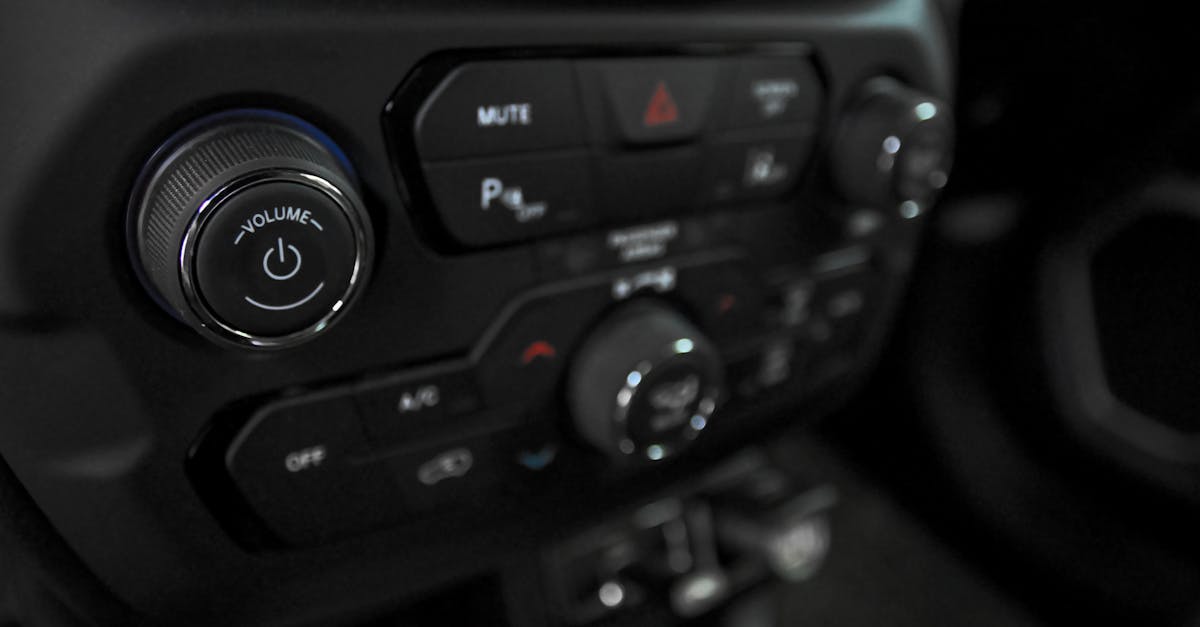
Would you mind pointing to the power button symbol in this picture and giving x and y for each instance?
(279, 257)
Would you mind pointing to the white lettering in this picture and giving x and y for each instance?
(304, 459)
(492, 188)
(514, 114)
(276, 214)
(643, 242)
(511, 198)
(773, 95)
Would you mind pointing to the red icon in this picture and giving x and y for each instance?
(725, 303)
(661, 109)
(539, 349)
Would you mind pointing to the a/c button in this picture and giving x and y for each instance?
(493, 201)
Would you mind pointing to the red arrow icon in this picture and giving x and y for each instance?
(661, 109)
(540, 348)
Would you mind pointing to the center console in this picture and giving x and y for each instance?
(688, 264)
(432, 307)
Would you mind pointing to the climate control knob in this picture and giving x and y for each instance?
(248, 227)
(645, 383)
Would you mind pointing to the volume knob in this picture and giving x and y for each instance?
(248, 227)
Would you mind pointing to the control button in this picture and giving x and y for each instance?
(795, 296)
(772, 363)
(844, 295)
(644, 383)
(500, 107)
(841, 302)
(725, 298)
(774, 90)
(274, 258)
(486, 202)
(894, 148)
(410, 405)
(652, 101)
(649, 185)
(764, 518)
(248, 227)
(453, 474)
(293, 464)
(523, 364)
(446, 465)
(751, 169)
(780, 362)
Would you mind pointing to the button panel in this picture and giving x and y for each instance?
(463, 437)
(516, 150)
(720, 295)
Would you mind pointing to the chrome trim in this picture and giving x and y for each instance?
(207, 319)
(656, 451)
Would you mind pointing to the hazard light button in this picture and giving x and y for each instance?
(650, 101)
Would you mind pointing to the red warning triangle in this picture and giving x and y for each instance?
(661, 109)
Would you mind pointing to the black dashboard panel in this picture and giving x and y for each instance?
(161, 456)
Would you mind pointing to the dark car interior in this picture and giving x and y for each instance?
(577, 314)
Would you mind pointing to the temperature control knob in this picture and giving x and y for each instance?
(645, 383)
(894, 148)
(248, 227)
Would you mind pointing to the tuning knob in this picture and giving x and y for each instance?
(645, 383)
(894, 148)
(248, 227)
